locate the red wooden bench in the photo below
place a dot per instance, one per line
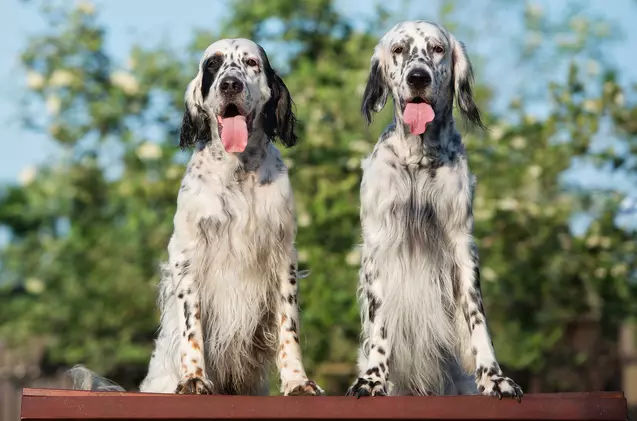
(55, 404)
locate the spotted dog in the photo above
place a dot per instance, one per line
(424, 325)
(229, 292)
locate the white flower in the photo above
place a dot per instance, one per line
(592, 66)
(304, 219)
(590, 105)
(482, 214)
(173, 172)
(353, 258)
(533, 209)
(602, 29)
(352, 163)
(535, 10)
(53, 105)
(488, 274)
(535, 171)
(86, 7)
(508, 203)
(496, 132)
(592, 241)
(579, 24)
(619, 270)
(600, 272)
(34, 285)
(125, 81)
(564, 39)
(61, 78)
(619, 99)
(149, 151)
(534, 39)
(35, 80)
(27, 175)
(518, 142)
(359, 146)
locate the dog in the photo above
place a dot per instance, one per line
(423, 323)
(228, 294)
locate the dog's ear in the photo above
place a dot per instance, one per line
(195, 124)
(376, 92)
(279, 118)
(463, 80)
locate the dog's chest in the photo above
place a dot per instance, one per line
(246, 209)
(416, 206)
(235, 213)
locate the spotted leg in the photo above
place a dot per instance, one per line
(372, 381)
(294, 381)
(194, 380)
(472, 328)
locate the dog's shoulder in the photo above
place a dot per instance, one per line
(272, 171)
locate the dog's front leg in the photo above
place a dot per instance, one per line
(294, 381)
(373, 381)
(472, 326)
(194, 379)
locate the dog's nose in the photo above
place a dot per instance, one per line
(230, 86)
(418, 78)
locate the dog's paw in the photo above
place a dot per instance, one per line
(366, 386)
(496, 385)
(304, 388)
(194, 386)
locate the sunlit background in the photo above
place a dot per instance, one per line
(90, 104)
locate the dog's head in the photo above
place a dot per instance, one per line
(236, 94)
(423, 67)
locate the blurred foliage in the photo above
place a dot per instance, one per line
(87, 232)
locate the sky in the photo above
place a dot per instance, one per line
(149, 22)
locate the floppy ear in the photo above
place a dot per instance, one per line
(195, 124)
(278, 115)
(376, 92)
(463, 79)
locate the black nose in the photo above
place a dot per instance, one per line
(230, 86)
(418, 78)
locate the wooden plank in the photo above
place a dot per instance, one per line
(41, 404)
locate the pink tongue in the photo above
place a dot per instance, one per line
(234, 133)
(417, 116)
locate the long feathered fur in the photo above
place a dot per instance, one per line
(424, 328)
(228, 294)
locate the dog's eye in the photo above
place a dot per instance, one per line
(438, 49)
(214, 63)
(398, 49)
(252, 62)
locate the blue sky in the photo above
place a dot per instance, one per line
(148, 22)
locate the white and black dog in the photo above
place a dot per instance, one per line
(228, 294)
(424, 326)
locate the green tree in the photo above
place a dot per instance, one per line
(87, 232)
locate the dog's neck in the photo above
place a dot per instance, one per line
(253, 156)
(440, 140)
(245, 162)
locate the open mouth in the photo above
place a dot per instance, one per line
(417, 115)
(234, 124)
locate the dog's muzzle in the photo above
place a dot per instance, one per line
(419, 78)
(230, 86)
